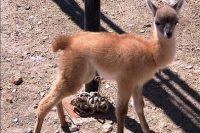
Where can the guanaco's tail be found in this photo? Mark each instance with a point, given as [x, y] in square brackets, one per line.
[60, 43]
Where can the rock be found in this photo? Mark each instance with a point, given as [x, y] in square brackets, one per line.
[31, 17]
[107, 128]
[107, 86]
[18, 6]
[9, 99]
[27, 8]
[189, 67]
[142, 31]
[35, 106]
[42, 94]
[14, 90]
[54, 108]
[57, 131]
[147, 25]
[17, 80]
[15, 120]
[45, 38]
[109, 121]
[73, 128]
[39, 22]
[53, 65]
[30, 130]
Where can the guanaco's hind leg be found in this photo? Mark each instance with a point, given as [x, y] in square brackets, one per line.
[45, 105]
[123, 96]
[139, 105]
[60, 90]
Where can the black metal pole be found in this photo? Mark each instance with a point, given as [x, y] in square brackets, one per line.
[92, 23]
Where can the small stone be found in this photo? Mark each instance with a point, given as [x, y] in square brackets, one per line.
[109, 122]
[30, 17]
[30, 130]
[39, 22]
[35, 106]
[107, 128]
[142, 31]
[38, 31]
[45, 38]
[15, 120]
[73, 128]
[189, 67]
[9, 99]
[57, 131]
[53, 65]
[7, 59]
[147, 25]
[18, 6]
[27, 8]
[42, 94]
[14, 90]
[107, 86]
[17, 80]
[154, 108]
[54, 108]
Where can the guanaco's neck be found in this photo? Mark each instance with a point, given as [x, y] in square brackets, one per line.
[164, 49]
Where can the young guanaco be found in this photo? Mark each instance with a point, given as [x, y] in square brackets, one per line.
[128, 59]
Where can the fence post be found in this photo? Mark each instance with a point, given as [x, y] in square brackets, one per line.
[92, 23]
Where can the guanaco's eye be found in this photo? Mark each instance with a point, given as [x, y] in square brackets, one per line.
[158, 23]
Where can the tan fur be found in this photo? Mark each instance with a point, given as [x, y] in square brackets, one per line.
[129, 59]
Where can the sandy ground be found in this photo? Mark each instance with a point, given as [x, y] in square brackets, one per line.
[27, 29]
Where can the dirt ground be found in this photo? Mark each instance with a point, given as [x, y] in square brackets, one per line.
[29, 26]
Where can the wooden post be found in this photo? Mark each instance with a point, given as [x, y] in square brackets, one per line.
[92, 23]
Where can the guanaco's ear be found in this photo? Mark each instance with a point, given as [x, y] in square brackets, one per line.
[151, 6]
[178, 5]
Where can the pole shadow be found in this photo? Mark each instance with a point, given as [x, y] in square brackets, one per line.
[72, 9]
[177, 107]
[174, 104]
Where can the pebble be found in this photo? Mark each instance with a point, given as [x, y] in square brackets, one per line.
[39, 22]
[45, 38]
[15, 120]
[30, 17]
[107, 86]
[142, 31]
[27, 8]
[42, 94]
[189, 67]
[30, 130]
[107, 128]
[17, 80]
[9, 99]
[54, 108]
[109, 122]
[147, 25]
[53, 65]
[18, 6]
[14, 90]
[35, 106]
[74, 128]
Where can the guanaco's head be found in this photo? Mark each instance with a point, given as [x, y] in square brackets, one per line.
[165, 18]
